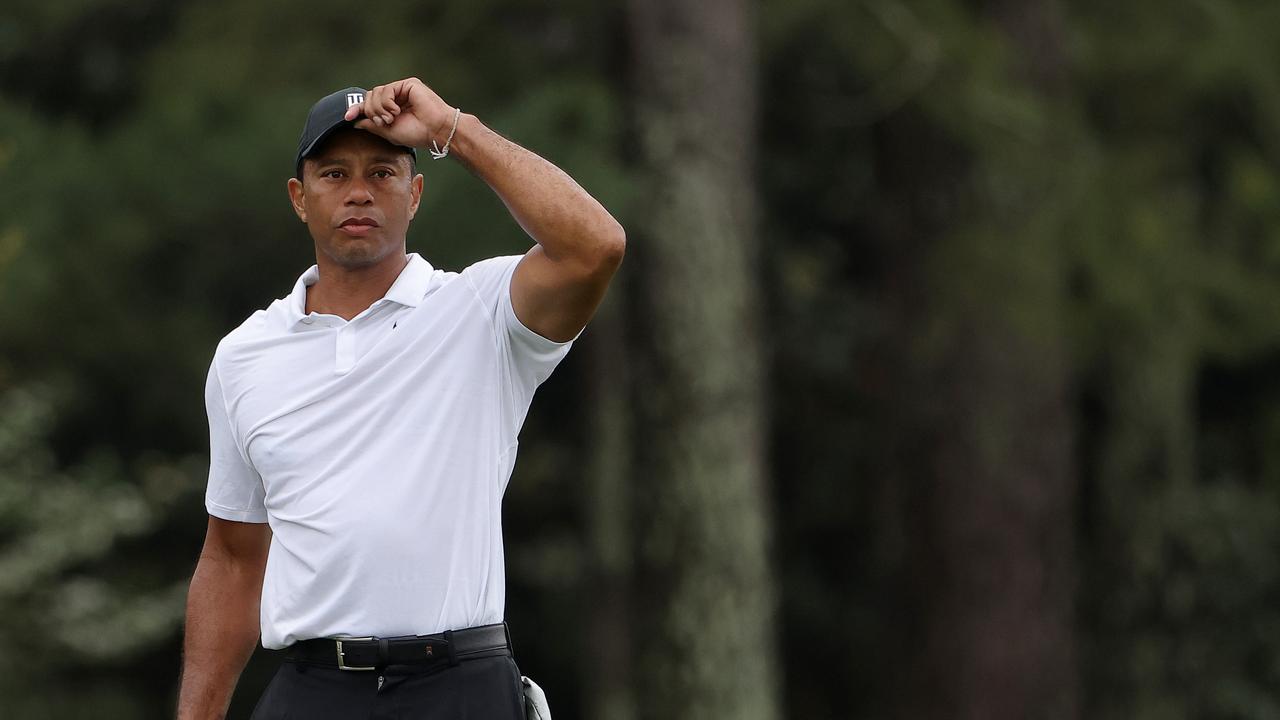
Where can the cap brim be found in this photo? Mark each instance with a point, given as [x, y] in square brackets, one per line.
[340, 125]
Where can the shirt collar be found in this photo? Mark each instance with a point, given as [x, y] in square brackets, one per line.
[408, 289]
[411, 285]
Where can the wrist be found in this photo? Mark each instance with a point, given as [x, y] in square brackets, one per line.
[463, 136]
[440, 131]
[442, 138]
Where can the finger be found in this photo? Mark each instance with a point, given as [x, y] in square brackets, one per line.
[382, 101]
[370, 104]
[392, 98]
[402, 90]
[366, 108]
[397, 96]
[371, 126]
[379, 106]
[390, 109]
[359, 109]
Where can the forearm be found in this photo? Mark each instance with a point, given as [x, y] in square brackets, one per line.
[221, 634]
[554, 210]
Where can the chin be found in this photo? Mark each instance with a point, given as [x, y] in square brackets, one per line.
[354, 256]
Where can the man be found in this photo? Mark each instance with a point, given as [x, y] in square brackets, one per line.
[363, 429]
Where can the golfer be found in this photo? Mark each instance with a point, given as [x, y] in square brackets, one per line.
[362, 429]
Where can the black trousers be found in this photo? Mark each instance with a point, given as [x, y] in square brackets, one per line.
[481, 689]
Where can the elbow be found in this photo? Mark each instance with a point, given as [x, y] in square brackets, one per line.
[613, 245]
[597, 254]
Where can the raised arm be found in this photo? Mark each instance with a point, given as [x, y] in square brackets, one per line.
[222, 616]
[561, 280]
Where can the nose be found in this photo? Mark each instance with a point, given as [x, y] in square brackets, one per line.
[358, 192]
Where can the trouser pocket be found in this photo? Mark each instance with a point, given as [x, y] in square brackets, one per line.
[269, 706]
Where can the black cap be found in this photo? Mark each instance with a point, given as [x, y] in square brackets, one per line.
[327, 117]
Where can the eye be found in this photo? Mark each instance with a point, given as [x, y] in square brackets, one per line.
[382, 173]
[331, 174]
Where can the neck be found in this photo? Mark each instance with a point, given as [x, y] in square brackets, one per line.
[347, 292]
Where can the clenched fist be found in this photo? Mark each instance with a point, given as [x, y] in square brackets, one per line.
[405, 112]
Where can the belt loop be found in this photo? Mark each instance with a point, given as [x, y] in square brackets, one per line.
[384, 652]
[448, 644]
[506, 629]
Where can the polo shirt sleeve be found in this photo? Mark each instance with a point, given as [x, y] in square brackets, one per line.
[235, 489]
[526, 358]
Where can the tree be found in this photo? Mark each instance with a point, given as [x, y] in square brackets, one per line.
[981, 480]
[703, 582]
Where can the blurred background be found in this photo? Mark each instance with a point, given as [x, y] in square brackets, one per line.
[942, 378]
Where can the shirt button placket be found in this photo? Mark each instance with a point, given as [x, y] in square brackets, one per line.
[345, 354]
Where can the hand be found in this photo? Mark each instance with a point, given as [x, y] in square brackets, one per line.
[405, 112]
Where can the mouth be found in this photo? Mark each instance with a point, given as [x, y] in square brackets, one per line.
[358, 225]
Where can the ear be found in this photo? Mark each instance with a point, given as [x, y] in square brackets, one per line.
[415, 190]
[297, 196]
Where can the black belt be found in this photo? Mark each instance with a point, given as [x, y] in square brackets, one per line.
[371, 653]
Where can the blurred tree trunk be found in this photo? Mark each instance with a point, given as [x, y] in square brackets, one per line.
[982, 394]
[991, 566]
[703, 594]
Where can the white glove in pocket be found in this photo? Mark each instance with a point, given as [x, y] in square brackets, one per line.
[535, 701]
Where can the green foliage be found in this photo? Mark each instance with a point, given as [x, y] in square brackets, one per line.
[1138, 193]
[68, 591]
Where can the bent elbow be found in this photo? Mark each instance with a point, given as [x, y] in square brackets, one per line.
[613, 247]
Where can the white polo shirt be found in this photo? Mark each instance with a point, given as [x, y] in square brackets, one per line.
[378, 450]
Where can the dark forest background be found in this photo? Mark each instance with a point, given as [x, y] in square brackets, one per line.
[942, 378]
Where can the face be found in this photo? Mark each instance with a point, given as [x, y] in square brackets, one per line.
[357, 195]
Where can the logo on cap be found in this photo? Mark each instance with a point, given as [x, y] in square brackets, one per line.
[354, 99]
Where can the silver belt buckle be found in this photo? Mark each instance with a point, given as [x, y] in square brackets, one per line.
[342, 665]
